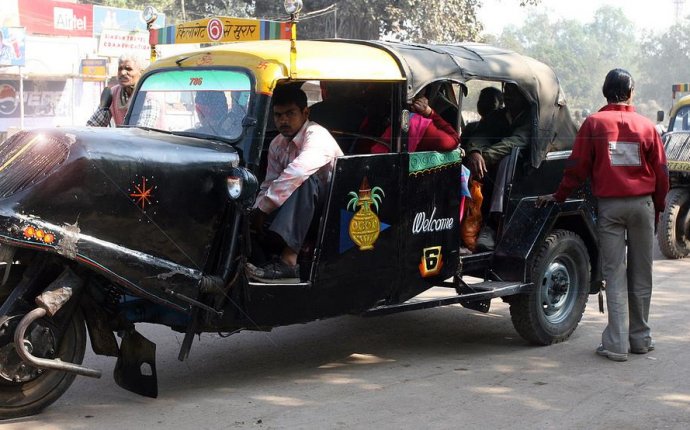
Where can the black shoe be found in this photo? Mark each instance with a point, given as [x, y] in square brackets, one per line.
[274, 272]
[486, 241]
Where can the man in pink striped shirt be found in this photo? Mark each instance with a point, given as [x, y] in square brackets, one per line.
[300, 164]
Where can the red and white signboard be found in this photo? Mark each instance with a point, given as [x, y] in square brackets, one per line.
[113, 43]
[56, 18]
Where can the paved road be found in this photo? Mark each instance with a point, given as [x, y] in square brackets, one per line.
[445, 368]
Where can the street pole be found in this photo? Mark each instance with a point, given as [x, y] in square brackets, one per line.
[21, 99]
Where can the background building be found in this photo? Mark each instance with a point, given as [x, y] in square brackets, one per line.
[59, 56]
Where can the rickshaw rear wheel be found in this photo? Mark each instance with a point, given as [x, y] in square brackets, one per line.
[551, 311]
[25, 390]
[672, 231]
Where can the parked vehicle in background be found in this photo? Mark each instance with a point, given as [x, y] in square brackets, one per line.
[679, 117]
[672, 230]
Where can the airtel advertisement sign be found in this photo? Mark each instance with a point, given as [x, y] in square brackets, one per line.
[56, 18]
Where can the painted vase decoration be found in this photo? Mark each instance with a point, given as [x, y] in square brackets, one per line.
[365, 226]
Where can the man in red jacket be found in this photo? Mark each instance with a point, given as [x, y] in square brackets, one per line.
[622, 154]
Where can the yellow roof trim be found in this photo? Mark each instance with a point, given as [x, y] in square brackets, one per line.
[317, 60]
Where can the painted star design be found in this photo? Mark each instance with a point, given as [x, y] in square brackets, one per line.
[142, 195]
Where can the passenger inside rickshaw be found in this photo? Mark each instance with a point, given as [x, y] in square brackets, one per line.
[358, 115]
[489, 101]
[488, 146]
[427, 131]
[443, 98]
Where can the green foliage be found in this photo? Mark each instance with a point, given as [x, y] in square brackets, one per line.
[193, 9]
[581, 54]
[439, 21]
[409, 20]
[666, 60]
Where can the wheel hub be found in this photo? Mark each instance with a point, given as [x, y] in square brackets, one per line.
[555, 288]
[39, 340]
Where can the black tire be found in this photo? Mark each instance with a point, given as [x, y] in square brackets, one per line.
[672, 231]
[561, 275]
[20, 399]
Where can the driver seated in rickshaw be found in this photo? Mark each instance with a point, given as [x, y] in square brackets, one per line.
[300, 165]
[211, 108]
[487, 149]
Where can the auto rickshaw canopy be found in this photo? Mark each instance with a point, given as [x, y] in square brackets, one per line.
[416, 64]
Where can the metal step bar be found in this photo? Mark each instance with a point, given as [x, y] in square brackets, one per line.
[481, 291]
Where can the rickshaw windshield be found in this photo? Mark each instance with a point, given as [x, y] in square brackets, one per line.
[681, 122]
[200, 101]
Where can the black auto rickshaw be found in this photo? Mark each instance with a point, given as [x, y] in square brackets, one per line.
[101, 229]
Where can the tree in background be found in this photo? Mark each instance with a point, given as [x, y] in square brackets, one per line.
[665, 60]
[409, 20]
[185, 9]
[580, 54]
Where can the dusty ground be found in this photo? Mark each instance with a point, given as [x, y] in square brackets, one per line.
[443, 368]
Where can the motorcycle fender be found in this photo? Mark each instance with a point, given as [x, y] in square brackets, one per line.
[135, 369]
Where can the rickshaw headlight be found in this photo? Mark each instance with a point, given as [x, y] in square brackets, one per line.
[293, 6]
[242, 184]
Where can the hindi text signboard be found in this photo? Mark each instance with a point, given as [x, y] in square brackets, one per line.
[220, 29]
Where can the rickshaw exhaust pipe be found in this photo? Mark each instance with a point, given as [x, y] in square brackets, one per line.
[53, 298]
[45, 363]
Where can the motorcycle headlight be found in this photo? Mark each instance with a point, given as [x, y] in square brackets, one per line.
[242, 184]
[293, 6]
[149, 14]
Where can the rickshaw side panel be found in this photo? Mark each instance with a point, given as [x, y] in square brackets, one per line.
[430, 226]
[359, 253]
[356, 251]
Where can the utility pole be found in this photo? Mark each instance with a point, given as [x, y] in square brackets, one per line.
[679, 10]
[184, 13]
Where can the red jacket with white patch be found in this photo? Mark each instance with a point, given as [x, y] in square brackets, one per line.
[623, 155]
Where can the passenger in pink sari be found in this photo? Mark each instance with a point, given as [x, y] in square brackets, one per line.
[427, 132]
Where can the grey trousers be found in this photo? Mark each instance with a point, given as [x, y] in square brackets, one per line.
[293, 219]
[628, 280]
